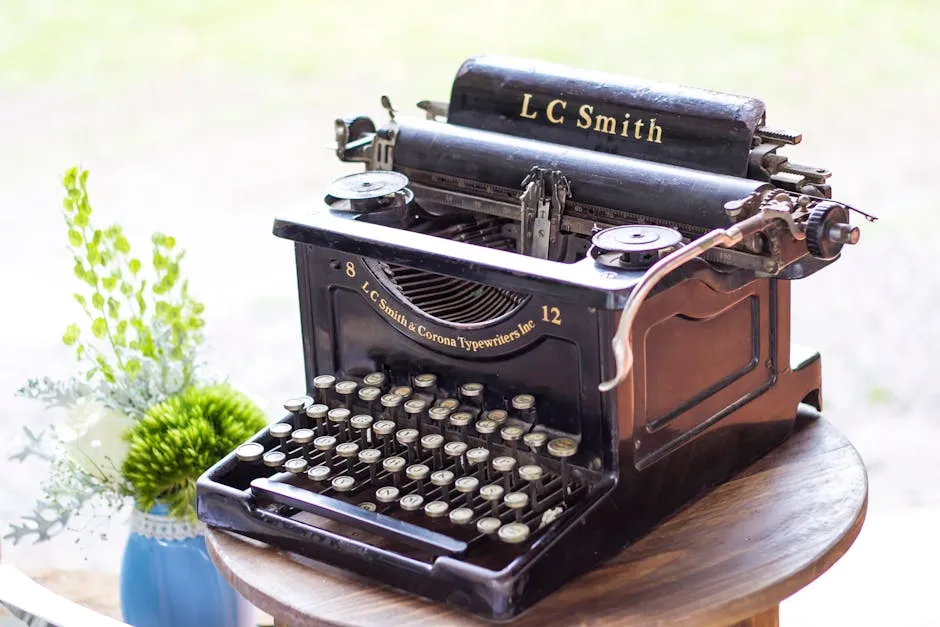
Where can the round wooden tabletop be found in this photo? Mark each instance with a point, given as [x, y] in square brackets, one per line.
[731, 556]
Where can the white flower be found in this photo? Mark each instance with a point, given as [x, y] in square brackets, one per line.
[94, 439]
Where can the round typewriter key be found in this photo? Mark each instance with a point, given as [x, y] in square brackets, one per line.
[461, 516]
[505, 466]
[438, 415]
[297, 406]
[281, 431]
[418, 473]
[494, 494]
[460, 420]
[511, 436]
[388, 494]
[394, 466]
[455, 451]
[516, 501]
[366, 505]
[471, 390]
[467, 485]
[449, 403]
[416, 409]
[391, 404]
[274, 459]
[411, 502]
[370, 457]
[339, 416]
[407, 438]
[443, 479]
[325, 443]
[514, 533]
[436, 509]
[488, 525]
[478, 457]
[343, 483]
[433, 442]
[362, 423]
[318, 413]
[563, 448]
[349, 450]
[523, 401]
[498, 416]
[370, 397]
[535, 441]
[296, 465]
[485, 428]
[382, 429]
[323, 384]
[303, 437]
[250, 452]
[374, 379]
[425, 381]
[346, 392]
[532, 474]
[318, 473]
[403, 391]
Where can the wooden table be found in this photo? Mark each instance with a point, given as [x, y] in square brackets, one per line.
[727, 559]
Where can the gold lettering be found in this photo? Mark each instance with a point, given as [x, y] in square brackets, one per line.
[609, 124]
[585, 113]
[526, 98]
[624, 132]
[549, 111]
[637, 127]
[373, 296]
[659, 132]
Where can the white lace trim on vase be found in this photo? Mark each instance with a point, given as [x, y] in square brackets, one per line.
[164, 527]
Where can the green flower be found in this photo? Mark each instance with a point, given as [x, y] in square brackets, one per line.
[179, 439]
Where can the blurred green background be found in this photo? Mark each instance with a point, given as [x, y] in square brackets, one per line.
[205, 119]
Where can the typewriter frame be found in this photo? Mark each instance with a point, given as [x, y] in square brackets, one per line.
[654, 447]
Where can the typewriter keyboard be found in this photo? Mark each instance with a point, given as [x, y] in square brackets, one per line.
[453, 470]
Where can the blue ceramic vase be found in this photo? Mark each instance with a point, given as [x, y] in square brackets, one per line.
[168, 579]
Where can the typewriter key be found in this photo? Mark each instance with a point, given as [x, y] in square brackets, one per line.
[394, 466]
[274, 459]
[449, 403]
[415, 409]
[382, 429]
[343, 483]
[513, 533]
[297, 406]
[318, 413]
[433, 443]
[296, 465]
[563, 448]
[426, 386]
[369, 396]
[505, 465]
[391, 404]
[318, 473]
[323, 384]
[375, 380]
[436, 509]
[532, 474]
[443, 479]
[388, 494]
[250, 452]
[362, 423]
[437, 416]
[478, 457]
[524, 404]
[485, 428]
[494, 494]
[325, 443]
[370, 457]
[281, 431]
[535, 441]
[411, 502]
[467, 485]
[407, 438]
[456, 450]
[460, 420]
[346, 392]
[349, 451]
[516, 501]
[511, 435]
[418, 473]
[402, 391]
[472, 394]
[366, 505]
[488, 525]
[339, 416]
[461, 516]
[498, 416]
[303, 437]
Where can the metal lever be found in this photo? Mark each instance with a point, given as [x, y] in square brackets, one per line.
[622, 345]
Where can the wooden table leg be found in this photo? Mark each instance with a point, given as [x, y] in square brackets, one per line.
[768, 618]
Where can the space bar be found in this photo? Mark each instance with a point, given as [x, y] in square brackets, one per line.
[355, 516]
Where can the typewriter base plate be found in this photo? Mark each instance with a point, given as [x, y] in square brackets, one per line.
[740, 549]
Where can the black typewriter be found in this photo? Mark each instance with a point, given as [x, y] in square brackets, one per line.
[547, 314]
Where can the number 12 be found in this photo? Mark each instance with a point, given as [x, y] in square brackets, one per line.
[551, 314]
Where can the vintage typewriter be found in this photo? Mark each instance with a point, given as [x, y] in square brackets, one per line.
[546, 315]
